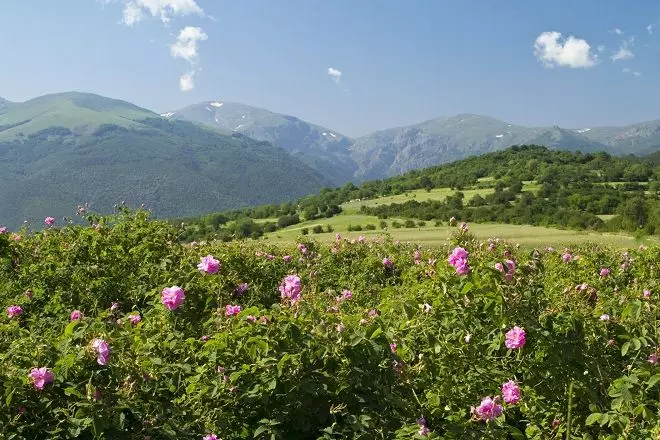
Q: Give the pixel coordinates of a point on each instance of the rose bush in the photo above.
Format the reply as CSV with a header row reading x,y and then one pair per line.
x,y
124,332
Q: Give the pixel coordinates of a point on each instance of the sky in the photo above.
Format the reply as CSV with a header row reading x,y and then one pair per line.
x,y
355,66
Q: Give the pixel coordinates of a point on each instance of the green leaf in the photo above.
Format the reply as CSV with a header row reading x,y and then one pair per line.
x,y
376,333
625,348
652,381
593,418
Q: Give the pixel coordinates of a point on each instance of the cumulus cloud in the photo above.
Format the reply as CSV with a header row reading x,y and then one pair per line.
x,y
136,10
186,42
649,28
601,48
631,72
624,52
553,50
185,47
335,74
187,81
617,31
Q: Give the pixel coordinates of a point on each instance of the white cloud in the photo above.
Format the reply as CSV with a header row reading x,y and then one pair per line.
x,y
601,48
649,28
185,47
631,72
624,52
187,81
554,51
617,31
335,74
186,43
134,10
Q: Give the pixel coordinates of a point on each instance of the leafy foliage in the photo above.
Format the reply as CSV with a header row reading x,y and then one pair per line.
x,y
411,339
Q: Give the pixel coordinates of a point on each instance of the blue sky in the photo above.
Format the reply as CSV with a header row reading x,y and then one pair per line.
x,y
401,62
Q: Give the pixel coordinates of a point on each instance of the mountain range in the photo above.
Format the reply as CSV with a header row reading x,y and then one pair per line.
x,y
59,150
397,150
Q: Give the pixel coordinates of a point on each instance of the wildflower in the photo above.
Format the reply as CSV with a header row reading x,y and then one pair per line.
x,y
361,239
287,258
114,306
604,272
135,319
653,358
28,294
270,257
423,429
488,410
41,377
492,247
347,294
499,267
204,338
337,237
458,254
550,249
3,230
264,320
210,437
511,266
604,317
393,347
555,423
452,221
647,293
208,265
427,307
340,327
14,311
102,351
373,313
464,227
291,287
15,237
232,310
241,288
515,338
172,297
511,392
566,257
302,248
388,263
76,315
251,318
49,221
417,257
462,267
467,338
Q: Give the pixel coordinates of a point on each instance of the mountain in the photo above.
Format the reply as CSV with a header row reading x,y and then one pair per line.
x,y
642,138
61,150
321,148
395,151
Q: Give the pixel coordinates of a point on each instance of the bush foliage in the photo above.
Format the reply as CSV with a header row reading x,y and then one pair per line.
x,y
386,341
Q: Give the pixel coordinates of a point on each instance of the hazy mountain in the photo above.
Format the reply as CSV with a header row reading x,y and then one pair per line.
x,y
397,150
321,148
394,151
61,150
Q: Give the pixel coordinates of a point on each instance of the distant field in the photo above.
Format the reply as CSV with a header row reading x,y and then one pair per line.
x,y
420,195
527,236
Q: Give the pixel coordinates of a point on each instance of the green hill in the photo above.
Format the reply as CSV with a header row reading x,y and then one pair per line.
x,y
61,150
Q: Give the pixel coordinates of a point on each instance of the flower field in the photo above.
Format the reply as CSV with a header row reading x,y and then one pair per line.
x,y
118,331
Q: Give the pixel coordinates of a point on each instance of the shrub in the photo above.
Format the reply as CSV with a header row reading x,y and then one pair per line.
x,y
273,345
370,227
409,223
317,229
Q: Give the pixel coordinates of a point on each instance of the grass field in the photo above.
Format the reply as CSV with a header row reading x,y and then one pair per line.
x,y
420,195
432,236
